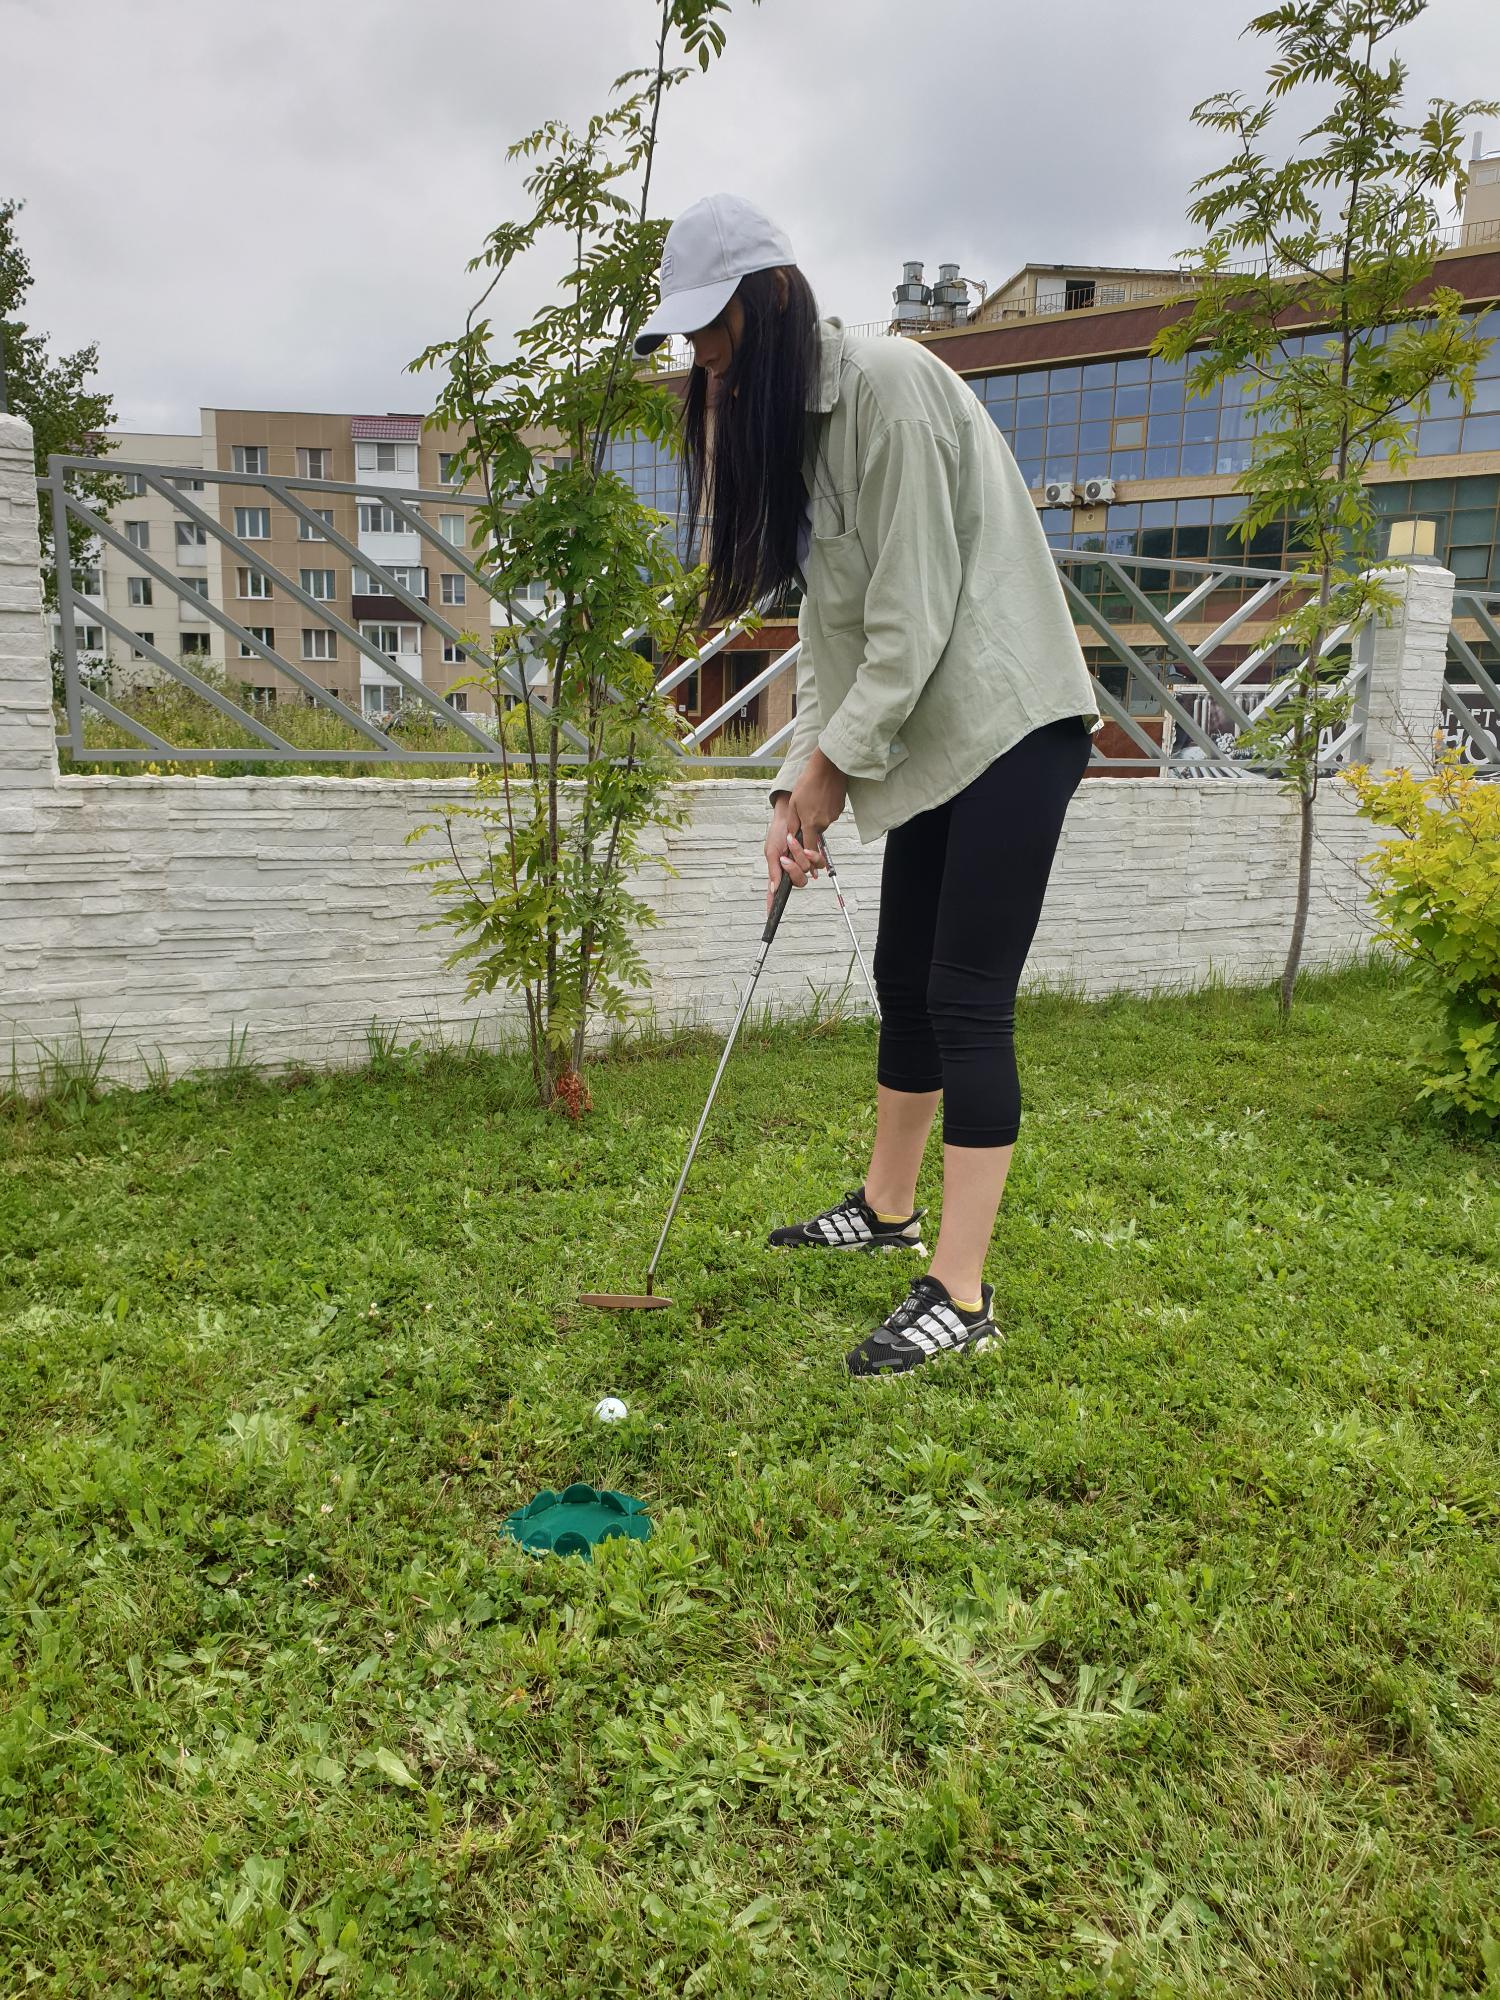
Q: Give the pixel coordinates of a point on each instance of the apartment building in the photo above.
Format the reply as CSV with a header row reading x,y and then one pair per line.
x,y
327,459
324,457
109,582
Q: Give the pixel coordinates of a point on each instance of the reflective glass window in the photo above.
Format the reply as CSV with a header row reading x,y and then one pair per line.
x,y
1158,513
1127,465
1099,375
1030,410
1128,433
1136,369
1166,396
1481,492
1029,442
1164,428
1094,437
1161,461
1093,465
1472,565
1233,457
1131,401
1198,458
1436,436
1473,524
1481,433
1062,409
1192,542
1062,379
1486,395
1445,402
1097,403
1431,495
1163,370
1199,426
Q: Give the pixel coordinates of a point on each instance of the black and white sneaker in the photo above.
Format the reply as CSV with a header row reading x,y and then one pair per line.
x,y
924,1327
851,1225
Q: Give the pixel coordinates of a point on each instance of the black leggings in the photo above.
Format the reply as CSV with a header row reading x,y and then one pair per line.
x,y
960,896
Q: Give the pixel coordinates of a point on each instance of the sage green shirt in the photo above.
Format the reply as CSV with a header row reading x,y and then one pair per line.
x,y
934,630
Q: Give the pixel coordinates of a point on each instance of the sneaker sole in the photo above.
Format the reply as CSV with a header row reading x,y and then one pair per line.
x,y
920,1248
969,1348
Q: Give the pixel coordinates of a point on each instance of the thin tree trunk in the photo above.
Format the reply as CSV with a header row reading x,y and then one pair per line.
x,y
1304,897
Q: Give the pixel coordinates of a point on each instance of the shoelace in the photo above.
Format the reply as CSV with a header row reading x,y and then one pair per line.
x,y
922,1297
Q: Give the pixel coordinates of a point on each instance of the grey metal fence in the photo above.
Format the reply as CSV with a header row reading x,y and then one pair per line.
x,y
1181,659
1471,694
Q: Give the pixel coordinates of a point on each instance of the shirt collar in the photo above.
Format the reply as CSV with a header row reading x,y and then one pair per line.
x,y
830,361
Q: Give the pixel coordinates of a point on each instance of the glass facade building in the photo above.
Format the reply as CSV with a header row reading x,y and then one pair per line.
x,y
1132,419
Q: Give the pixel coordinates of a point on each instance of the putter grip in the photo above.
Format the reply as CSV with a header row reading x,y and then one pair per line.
x,y
777,906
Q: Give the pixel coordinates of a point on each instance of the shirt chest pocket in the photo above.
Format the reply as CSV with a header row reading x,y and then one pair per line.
x,y
838,575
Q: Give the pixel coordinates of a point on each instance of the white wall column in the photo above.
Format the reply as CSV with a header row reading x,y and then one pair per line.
x,y
1408,658
28,750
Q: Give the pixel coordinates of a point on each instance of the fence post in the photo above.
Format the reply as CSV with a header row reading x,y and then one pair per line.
x,y
1402,697
28,735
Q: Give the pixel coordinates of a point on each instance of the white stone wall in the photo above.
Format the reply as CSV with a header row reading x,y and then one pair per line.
x,y
171,914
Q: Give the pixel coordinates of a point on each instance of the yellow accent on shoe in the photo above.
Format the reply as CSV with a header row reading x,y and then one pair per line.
x,y
889,1218
967,1305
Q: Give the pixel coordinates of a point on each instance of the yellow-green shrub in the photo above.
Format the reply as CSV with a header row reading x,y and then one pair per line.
x,y
1437,889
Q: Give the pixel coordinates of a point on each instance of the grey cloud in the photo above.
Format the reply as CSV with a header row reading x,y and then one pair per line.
x,y
275,207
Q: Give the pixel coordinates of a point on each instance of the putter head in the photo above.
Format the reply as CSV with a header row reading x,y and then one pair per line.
x,y
622,1301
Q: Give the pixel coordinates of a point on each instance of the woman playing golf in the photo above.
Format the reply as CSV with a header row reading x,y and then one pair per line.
x,y
941,695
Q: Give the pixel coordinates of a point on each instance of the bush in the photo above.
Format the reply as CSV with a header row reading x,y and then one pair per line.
x,y
1437,890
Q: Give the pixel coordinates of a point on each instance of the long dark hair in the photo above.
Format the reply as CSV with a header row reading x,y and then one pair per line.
x,y
752,476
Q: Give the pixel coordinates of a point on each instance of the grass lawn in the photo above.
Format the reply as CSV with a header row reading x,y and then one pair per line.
x,y
1155,1653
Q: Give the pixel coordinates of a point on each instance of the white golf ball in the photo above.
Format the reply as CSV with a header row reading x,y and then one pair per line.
x,y
610,1410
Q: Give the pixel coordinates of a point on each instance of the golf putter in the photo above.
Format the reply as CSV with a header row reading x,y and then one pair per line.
x,y
635,1301
833,876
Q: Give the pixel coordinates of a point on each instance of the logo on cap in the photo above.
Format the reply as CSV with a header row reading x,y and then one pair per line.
x,y
669,258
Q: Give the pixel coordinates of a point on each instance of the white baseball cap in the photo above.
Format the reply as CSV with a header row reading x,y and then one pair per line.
x,y
709,248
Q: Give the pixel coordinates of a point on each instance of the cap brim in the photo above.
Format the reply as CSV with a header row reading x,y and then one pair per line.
x,y
684,313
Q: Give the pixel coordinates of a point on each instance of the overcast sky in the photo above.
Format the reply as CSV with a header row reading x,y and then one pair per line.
x,y
270,206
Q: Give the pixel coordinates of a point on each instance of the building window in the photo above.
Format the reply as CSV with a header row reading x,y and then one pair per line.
x,y
253,583
247,458
135,484
188,485
88,583
447,476
253,524
385,457
394,639
138,534
685,694
306,532
312,461
451,528
318,643
266,635
458,698
194,645
453,588
90,638
138,589
376,699
261,697
453,654
375,519
147,638
318,582
1128,434
190,536
198,586
410,576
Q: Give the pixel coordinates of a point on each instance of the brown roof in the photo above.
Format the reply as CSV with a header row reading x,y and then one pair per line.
x,y
387,429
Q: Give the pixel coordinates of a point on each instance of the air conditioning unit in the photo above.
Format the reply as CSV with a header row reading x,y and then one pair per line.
x,y
1098,492
1059,493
